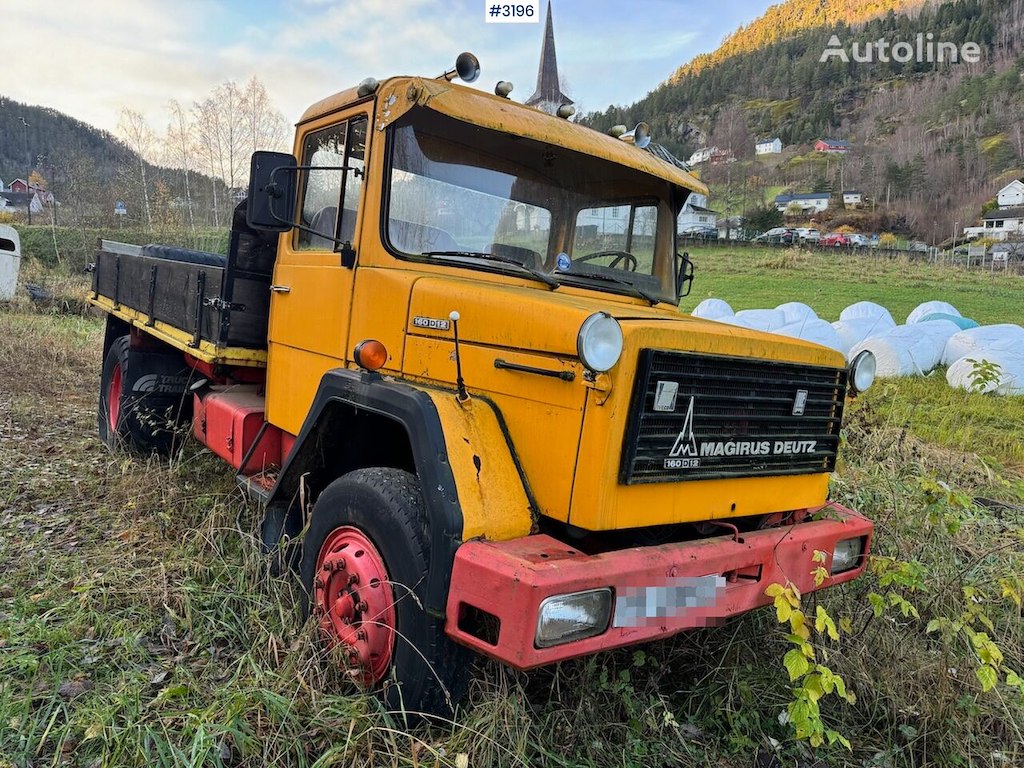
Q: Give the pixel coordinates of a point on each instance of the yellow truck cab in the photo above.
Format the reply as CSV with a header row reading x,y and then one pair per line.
x,y
445,353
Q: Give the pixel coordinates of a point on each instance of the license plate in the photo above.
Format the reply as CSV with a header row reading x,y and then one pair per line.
x,y
687,598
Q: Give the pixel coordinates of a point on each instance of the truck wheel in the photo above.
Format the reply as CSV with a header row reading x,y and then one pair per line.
x,y
364,565
139,421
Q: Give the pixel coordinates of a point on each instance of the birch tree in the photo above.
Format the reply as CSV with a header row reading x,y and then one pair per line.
x,y
139,138
179,151
266,127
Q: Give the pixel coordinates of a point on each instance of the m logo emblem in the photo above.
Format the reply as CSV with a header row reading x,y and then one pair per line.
x,y
686,443
800,404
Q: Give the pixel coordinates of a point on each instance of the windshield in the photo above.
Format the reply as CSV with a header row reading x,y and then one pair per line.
x,y
460,193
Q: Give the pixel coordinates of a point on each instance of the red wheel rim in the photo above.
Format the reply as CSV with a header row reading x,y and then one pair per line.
x,y
114,398
355,603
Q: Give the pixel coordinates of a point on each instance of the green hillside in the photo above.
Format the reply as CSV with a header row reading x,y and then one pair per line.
x,y
789,19
932,141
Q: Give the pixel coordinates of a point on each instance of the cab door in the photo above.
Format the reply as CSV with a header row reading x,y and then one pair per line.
x,y
310,307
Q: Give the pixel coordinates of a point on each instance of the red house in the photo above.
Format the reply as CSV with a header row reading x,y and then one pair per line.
x,y
18,185
832,145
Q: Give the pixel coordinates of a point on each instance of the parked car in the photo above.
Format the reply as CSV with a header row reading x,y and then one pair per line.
x,y
778,235
859,241
699,232
917,245
835,240
808,235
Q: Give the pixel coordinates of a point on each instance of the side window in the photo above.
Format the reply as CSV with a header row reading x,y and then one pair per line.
x,y
326,184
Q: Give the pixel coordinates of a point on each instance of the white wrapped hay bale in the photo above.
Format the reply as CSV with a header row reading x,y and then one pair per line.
x,y
763,319
868,309
814,330
940,330
931,308
999,372
796,312
987,338
739,322
853,332
713,309
903,351
963,323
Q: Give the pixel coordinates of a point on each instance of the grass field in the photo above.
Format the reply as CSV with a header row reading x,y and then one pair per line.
x,y
137,627
754,278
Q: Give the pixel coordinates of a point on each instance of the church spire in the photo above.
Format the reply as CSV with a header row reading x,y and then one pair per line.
x,y
549,96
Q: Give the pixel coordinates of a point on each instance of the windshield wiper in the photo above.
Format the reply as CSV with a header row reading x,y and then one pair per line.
x,y
543,277
638,292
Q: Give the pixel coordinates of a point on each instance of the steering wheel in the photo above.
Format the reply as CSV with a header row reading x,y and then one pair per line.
x,y
620,256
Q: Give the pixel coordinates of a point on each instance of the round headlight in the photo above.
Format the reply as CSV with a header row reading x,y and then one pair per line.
x,y
600,342
862,371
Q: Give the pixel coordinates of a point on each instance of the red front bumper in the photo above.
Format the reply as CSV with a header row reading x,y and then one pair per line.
x,y
510,579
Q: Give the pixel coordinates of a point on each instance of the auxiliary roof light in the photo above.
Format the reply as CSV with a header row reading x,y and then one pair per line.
x,y
503,89
367,87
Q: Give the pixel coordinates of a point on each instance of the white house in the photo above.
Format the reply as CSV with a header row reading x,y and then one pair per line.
x,y
1012,195
853,199
2,185
807,202
768,147
1007,219
713,154
702,155
610,220
696,213
999,224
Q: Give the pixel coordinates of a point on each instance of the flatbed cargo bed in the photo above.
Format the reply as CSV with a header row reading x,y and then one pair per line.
x,y
210,306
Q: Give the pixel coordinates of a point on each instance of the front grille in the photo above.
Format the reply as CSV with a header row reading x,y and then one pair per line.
x,y
722,416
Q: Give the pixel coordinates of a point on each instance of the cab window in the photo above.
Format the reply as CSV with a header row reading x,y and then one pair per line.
x,y
330,195
618,236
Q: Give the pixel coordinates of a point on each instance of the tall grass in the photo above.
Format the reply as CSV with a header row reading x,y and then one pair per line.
x,y
138,626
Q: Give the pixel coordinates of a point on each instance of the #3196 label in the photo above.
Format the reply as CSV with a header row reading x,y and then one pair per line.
x,y
512,13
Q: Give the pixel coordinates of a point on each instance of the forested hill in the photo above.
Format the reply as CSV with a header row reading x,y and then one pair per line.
x,y
53,139
790,18
788,92
934,141
88,169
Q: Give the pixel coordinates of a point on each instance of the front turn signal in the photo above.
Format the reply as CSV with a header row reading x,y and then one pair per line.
x,y
370,355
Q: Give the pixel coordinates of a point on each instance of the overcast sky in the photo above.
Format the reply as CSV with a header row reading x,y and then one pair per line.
x,y
90,58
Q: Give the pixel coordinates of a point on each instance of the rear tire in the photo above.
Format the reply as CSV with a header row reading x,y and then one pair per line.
x,y
131,414
372,524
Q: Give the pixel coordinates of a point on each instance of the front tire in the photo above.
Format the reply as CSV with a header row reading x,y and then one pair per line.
x,y
364,566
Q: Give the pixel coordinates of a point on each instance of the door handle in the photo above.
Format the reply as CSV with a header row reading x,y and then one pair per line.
x,y
281,288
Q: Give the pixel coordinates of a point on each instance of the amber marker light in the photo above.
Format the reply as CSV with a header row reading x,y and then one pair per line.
x,y
370,355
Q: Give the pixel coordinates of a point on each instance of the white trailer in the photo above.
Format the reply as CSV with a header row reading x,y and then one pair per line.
x,y
10,261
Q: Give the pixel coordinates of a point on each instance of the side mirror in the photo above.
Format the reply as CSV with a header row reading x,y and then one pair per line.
x,y
684,275
272,182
